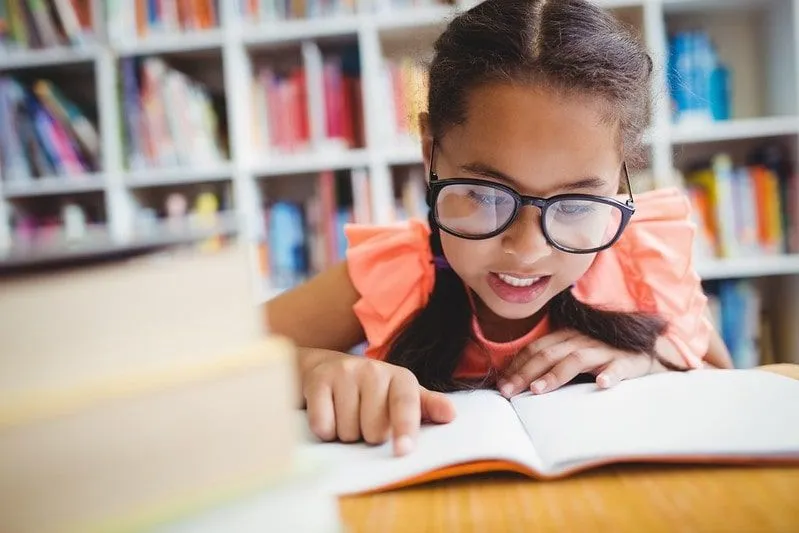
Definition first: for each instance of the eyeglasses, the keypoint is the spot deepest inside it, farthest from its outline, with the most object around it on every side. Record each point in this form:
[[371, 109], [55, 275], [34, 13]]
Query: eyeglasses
[[476, 209]]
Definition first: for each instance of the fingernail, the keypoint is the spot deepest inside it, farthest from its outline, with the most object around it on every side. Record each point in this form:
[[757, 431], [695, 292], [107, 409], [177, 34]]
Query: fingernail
[[506, 390], [604, 380], [403, 445], [539, 386]]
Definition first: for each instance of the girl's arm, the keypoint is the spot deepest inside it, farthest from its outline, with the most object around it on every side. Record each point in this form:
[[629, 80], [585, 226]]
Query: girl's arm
[[318, 314], [349, 397]]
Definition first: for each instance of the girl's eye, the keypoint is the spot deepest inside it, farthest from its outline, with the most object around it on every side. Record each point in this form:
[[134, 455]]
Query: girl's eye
[[491, 199], [575, 209]]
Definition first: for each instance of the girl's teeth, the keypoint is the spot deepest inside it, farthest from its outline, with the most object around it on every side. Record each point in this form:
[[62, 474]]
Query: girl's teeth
[[517, 282]]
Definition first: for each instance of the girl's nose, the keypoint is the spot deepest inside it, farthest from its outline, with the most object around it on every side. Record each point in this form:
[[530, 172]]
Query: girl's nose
[[524, 238]]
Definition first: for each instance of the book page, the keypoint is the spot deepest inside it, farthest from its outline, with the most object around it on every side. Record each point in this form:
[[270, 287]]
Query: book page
[[699, 413], [485, 427]]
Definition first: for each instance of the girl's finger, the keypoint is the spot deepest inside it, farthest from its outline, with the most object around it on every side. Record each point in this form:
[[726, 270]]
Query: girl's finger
[[629, 367], [547, 341], [405, 412], [346, 400], [374, 409], [577, 362], [542, 362], [321, 414]]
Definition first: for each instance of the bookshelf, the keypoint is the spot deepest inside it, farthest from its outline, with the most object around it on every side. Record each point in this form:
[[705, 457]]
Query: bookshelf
[[377, 163]]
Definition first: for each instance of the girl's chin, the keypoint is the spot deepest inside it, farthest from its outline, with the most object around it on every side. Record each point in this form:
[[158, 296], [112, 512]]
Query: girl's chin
[[512, 311], [515, 311]]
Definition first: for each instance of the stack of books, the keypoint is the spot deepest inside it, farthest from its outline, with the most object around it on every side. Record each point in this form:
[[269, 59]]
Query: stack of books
[[140, 389]]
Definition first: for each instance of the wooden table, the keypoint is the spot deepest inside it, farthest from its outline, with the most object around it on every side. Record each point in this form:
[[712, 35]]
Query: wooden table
[[615, 498]]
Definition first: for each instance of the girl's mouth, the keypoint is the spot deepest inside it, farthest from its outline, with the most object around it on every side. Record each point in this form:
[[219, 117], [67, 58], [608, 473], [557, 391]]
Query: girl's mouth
[[518, 288]]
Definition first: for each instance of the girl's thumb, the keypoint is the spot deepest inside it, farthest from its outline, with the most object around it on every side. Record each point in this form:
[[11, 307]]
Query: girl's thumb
[[436, 407]]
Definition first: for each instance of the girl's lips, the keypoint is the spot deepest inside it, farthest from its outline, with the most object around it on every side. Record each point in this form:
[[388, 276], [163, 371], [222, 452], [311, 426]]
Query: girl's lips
[[514, 293]]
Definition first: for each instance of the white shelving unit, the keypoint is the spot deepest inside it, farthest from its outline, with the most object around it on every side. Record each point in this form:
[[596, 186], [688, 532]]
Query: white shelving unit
[[760, 38], [748, 267]]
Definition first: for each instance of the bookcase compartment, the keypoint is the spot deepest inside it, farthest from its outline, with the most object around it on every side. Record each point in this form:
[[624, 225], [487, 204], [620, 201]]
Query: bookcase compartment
[[183, 209], [409, 185], [731, 61], [404, 82], [173, 111], [306, 99], [756, 318], [51, 222], [631, 15], [303, 221], [268, 13], [50, 132], [136, 23], [47, 25], [744, 196]]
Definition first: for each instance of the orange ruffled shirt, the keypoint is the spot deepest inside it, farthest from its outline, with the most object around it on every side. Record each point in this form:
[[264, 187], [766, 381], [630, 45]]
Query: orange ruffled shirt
[[649, 269]]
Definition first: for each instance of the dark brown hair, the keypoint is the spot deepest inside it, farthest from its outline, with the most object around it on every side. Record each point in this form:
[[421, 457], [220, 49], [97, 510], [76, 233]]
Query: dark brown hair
[[569, 46]]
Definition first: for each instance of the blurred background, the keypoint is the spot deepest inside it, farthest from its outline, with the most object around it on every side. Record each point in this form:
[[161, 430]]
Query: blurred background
[[278, 121]]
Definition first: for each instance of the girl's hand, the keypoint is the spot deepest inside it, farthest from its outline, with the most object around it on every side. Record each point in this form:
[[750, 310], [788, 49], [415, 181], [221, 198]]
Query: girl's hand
[[349, 397], [557, 358]]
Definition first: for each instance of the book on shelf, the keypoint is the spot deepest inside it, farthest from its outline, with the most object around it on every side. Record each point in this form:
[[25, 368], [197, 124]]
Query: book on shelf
[[165, 17], [660, 418], [169, 119], [43, 133], [37, 24]]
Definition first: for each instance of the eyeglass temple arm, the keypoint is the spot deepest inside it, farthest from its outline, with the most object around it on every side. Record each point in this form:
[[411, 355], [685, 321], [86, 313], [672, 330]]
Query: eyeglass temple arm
[[432, 173], [630, 200]]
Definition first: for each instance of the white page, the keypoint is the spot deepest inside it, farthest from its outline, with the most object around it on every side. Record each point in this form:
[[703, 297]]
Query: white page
[[485, 427], [702, 412]]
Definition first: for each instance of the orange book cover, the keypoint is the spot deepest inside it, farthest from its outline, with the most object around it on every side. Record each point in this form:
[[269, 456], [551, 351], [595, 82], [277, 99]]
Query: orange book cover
[[660, 418]]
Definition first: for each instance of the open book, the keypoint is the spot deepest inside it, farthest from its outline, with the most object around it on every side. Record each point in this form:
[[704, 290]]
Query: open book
[[702, 416]]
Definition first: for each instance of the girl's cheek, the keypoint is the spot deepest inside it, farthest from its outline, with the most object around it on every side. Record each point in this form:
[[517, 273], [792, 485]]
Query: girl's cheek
[[573, 267]]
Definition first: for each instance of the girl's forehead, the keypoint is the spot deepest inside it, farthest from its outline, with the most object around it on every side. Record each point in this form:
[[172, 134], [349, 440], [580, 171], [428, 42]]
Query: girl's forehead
[[540, 138]]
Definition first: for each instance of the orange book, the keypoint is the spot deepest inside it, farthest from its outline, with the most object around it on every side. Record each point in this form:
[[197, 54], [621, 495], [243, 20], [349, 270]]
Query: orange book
[[769, 209], [701, 416]]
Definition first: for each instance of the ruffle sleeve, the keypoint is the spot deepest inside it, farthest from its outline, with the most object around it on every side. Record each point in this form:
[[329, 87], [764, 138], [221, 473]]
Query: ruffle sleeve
[[650, 269], [392, 271]]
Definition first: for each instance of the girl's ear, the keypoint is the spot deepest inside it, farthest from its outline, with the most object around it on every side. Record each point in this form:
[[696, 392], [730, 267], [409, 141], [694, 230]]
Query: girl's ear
[[427, 141]]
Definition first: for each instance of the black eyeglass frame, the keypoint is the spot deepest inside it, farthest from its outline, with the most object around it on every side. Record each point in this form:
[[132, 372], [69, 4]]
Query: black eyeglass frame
[[436, 185]]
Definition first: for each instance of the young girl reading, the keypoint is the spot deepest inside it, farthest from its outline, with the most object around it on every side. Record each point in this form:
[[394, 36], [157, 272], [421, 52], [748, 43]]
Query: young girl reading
[[532, 269]]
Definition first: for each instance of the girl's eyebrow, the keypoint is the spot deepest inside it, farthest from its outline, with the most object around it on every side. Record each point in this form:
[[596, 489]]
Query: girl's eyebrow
[[485, 171]]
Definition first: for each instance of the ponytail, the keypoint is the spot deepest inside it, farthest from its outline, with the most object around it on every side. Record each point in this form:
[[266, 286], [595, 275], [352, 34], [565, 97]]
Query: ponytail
[[631, 332], [431, 345]]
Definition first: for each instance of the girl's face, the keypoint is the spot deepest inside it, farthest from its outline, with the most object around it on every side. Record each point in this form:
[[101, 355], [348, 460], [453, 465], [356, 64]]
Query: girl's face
[[540, 144]]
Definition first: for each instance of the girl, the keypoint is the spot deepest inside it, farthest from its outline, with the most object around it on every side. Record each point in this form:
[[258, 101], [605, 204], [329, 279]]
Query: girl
[[530, 271]]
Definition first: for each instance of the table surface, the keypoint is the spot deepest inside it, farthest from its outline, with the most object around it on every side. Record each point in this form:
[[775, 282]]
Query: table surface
[[618, 498]]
